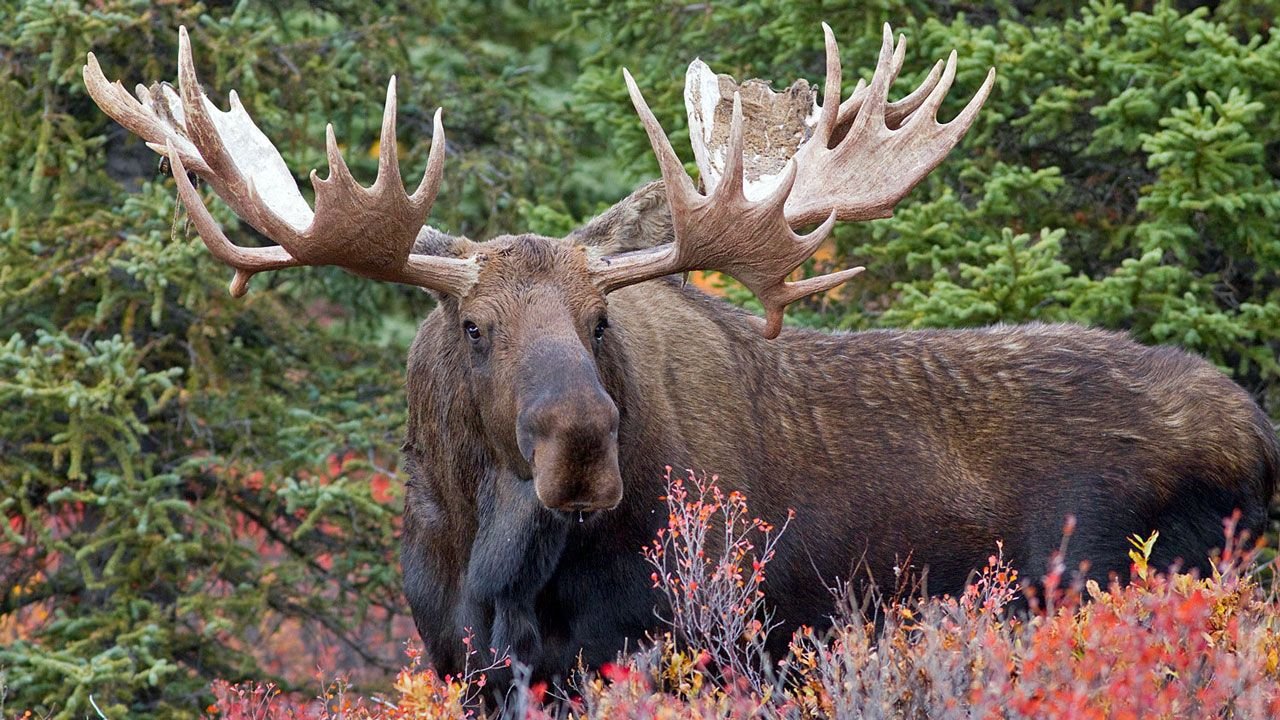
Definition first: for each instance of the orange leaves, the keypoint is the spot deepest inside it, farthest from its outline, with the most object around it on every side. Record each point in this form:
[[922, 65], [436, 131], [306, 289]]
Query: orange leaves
[[1162, 646], [420, 694], [710, 565], [994, 587], [1141, 553], [425, 694]]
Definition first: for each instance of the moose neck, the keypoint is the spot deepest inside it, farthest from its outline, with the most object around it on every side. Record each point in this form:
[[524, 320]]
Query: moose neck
[[720, 397]]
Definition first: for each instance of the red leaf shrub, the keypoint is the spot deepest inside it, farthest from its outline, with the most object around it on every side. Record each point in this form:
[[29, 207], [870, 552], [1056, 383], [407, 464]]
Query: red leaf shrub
[[707, 564], [1166, 645]]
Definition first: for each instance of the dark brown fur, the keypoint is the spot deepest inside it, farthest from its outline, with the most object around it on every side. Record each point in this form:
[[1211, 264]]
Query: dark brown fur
[[934, 444]]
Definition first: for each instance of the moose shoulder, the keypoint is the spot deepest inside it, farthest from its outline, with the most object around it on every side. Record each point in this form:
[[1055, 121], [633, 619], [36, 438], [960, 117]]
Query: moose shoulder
[[557, 378]]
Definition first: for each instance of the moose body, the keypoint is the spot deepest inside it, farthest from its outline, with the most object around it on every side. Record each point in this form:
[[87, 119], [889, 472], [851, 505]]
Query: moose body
[[891, 446], [559, 378]]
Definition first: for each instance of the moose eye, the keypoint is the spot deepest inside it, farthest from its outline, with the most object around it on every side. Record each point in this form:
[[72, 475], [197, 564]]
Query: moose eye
[[472, 330], [601, 326]]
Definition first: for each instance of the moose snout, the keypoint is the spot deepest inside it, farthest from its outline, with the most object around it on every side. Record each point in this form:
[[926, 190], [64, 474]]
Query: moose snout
[[571, 441]]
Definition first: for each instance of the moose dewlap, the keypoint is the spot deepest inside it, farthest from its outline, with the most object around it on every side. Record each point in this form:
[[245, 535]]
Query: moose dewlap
[[557, 378]]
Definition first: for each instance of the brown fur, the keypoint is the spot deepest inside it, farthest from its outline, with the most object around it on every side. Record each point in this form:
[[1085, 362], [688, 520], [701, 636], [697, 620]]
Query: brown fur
[[888, 444]]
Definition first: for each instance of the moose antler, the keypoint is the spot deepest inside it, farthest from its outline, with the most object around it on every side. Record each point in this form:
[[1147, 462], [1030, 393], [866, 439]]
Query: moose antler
[[861, 158], [368, 231], [751, 241]]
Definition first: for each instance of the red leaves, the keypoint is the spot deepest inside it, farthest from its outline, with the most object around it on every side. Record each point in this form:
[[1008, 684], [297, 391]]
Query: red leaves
[[1163, 646], [701, 561], [380, 489], [616, 673], [538, 692], [258, 701]]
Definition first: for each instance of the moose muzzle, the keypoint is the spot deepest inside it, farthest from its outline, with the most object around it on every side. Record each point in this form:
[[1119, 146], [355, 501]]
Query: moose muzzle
[[567, 430]]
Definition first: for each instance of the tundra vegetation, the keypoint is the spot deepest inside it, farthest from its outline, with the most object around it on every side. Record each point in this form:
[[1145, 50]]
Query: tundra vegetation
[[197, 488]]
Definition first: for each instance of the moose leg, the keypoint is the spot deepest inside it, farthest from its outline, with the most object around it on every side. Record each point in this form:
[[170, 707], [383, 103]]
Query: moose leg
[[516, 549]]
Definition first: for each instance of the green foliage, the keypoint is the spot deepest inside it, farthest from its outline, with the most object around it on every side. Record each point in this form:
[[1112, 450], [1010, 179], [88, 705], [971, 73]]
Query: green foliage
[[184, 474]]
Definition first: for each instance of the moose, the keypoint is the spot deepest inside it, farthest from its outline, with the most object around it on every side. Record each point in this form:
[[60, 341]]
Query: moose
[[557, 378]]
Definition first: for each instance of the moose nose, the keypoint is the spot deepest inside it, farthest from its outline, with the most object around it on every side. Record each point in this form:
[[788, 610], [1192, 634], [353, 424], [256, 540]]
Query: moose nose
[[571, 440], [583, 421]]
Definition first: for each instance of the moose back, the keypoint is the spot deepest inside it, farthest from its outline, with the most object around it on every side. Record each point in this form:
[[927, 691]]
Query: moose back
[[558, 377]]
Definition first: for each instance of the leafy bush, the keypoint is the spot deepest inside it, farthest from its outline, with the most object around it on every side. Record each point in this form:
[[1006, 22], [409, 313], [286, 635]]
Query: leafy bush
[[713, 576]]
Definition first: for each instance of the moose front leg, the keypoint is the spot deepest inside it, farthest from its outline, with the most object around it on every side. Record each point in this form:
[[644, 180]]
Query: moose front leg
[[516, 549]]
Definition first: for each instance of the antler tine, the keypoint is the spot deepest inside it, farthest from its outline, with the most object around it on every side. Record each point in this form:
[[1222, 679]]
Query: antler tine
[[224, 175], [731, 184], [388, 155], [849, 108], [136, 115], [429, 186], [367, 231], [793, 291], [897, 111], [873, 108], [673, 174], [959, 125], [338, 170], [830, 114], [929, 108]]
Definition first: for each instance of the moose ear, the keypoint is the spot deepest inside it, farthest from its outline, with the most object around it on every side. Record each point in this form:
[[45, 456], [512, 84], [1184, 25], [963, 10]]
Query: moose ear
[[640, 220], [431, 241]]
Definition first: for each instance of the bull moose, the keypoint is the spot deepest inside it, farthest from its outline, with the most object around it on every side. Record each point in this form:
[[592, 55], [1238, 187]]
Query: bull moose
[[557, 378]]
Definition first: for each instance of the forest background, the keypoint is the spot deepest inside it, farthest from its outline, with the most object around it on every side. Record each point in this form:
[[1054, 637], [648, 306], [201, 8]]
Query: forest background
[[196, 487]]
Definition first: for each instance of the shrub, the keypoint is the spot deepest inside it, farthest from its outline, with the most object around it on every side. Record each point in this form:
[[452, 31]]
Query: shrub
[[1164, 645], [711, 572]]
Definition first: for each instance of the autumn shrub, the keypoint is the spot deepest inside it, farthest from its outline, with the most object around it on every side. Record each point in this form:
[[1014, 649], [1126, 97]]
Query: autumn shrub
[[1162, 645], [711, 571], [1165, 645], [419, 693]]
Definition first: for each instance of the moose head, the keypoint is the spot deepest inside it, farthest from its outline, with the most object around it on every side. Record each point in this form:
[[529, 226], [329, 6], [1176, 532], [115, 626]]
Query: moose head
[[530, 313]]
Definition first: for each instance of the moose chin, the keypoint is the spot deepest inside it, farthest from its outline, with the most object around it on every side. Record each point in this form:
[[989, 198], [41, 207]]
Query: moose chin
[[557, 378]]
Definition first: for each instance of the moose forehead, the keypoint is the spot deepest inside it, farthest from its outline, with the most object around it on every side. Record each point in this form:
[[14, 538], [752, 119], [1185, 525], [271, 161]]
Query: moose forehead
[[524, 269]]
